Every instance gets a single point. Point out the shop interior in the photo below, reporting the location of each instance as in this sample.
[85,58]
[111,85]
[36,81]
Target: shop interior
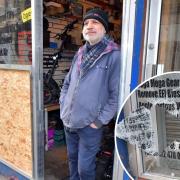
[62,25]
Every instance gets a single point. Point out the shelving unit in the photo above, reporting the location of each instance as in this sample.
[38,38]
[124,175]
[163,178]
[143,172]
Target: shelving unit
[47,109]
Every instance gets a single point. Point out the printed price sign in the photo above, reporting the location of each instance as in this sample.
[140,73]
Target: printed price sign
[163,92]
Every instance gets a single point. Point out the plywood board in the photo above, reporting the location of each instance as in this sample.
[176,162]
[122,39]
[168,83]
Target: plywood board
[15,119]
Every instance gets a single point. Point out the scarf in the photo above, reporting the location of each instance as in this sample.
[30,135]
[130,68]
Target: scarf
[91,53]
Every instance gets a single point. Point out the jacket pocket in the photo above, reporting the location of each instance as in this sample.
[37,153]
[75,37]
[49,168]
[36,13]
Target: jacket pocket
[99,109]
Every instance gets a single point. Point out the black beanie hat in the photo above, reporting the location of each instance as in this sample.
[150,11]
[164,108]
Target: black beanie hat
[99,15]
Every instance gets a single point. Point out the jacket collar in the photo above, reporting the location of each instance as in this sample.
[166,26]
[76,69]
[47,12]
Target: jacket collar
[112,46]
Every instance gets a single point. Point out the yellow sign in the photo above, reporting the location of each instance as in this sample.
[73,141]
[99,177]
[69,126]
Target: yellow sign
[26,15]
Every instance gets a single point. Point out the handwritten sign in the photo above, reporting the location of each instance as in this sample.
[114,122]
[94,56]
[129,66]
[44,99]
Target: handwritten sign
[137,129]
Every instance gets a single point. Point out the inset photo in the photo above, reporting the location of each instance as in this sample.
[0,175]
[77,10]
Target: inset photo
[147,130]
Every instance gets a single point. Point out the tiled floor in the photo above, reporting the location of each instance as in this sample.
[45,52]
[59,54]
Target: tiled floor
[56,165]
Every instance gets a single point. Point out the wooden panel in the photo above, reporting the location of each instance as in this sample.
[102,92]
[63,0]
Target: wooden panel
[15,119]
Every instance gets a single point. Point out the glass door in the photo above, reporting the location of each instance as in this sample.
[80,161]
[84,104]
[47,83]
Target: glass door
[162,49]
[162,54]
[169,42]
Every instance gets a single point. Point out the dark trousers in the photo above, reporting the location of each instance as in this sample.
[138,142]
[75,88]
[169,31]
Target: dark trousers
[82,147]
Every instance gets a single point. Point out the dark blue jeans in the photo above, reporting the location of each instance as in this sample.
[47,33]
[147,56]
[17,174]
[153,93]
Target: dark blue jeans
[82,147]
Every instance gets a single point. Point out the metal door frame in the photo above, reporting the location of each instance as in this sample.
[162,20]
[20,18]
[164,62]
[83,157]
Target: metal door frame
[37,89]
[150,66]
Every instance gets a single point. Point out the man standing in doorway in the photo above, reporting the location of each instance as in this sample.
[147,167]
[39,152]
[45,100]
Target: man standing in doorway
[89,96]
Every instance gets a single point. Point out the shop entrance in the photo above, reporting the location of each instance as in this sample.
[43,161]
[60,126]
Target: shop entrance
[58,16]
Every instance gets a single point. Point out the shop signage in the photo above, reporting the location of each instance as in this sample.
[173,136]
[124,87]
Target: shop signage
[140,127]
[26,15]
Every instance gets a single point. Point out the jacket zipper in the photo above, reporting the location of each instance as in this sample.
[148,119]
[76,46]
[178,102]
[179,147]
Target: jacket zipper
[75,90]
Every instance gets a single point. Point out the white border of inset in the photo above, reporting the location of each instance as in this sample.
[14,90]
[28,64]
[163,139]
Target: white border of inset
[121,107]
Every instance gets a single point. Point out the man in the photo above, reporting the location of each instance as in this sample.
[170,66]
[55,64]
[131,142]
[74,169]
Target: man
[89,96]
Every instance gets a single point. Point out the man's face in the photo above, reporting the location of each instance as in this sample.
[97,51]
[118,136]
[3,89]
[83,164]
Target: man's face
[93,31]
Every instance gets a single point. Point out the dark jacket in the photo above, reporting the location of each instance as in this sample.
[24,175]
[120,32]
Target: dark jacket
[93,96]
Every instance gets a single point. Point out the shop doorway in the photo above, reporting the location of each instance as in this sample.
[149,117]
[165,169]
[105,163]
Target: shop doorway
[56,63]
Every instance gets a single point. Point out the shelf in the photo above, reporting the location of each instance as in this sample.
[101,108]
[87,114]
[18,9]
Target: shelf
[51,107]
[102,4]
[48,108]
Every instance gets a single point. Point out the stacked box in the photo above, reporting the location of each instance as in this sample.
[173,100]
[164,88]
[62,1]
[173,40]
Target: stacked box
[50,138]
[59,137]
